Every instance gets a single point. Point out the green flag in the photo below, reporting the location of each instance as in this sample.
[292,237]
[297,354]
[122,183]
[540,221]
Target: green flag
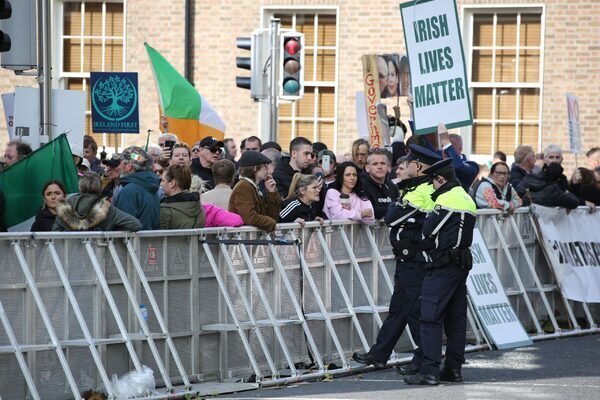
[22,183]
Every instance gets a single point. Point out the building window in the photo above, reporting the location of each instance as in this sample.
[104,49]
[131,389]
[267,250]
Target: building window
[315,115]
[506,79]
[93,37]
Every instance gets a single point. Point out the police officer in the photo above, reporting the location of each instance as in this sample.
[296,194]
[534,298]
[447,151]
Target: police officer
[448,233]
[405,218]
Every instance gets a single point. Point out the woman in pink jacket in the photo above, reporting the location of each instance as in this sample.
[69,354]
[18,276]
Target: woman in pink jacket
[345,198]
[215,216]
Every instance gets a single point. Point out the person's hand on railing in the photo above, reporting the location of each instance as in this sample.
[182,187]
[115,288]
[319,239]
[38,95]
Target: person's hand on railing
[300,221]
[591,205]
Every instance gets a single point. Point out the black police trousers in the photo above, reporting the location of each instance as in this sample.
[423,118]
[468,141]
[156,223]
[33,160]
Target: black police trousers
[443,303]
[404,309]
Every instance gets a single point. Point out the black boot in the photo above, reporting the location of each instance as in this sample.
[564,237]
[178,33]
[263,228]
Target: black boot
[448,374]
[407,369]
[422,379]
[368,359]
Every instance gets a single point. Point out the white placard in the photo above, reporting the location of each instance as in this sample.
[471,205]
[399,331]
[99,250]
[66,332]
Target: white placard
[8,103]
[572,243]
[361,116]
[490,301]
[437,65]
[573,121]
[68,114]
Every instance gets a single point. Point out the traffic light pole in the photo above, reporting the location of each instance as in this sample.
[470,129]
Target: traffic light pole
[45,70]
[273,106]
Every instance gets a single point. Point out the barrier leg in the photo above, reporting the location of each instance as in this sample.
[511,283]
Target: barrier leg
[297,308]
[248,309]
[142,320]
[322,308]
[518,277]
[538,284]
[47,323]
[80,319]
[271,316]
[113,307]
[476,324]
[343,291]
[386,276]
[18,353]
[236,321]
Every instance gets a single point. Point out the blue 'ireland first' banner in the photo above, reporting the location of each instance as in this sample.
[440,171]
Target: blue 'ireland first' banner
[115,106]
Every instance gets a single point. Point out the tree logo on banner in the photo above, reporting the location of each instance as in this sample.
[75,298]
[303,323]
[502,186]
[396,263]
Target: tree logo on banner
[114,98]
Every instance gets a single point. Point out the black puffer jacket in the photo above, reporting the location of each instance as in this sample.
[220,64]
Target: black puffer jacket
[544,189]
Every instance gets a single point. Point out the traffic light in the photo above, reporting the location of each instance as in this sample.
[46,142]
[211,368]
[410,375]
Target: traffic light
[18,34]
[5,13]
[291,75]
[258,45]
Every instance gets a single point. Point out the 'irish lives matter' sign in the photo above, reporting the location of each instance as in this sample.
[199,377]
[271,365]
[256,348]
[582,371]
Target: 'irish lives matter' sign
[115,106]
[489,299]
[437,65]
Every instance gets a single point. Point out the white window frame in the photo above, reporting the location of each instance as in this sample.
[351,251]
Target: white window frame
[266,13]
[59,48]
[468,12]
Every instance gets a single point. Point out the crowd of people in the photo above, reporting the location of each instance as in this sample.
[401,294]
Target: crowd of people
[173,186]
[427,196]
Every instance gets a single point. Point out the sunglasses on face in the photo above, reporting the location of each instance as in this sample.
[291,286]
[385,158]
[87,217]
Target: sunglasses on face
[213,149]
[195,150]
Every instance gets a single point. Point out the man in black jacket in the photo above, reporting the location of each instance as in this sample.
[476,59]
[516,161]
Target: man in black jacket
[380,192]
[524,162]
[211,151]
[301,155]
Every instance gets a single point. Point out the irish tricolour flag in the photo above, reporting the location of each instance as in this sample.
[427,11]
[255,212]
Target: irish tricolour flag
[183,110]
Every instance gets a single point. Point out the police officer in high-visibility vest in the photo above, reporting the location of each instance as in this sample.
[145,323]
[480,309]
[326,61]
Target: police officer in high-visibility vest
[447,233]
[405,218]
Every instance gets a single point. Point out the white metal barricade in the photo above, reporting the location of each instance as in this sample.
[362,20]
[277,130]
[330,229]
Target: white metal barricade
[216,310]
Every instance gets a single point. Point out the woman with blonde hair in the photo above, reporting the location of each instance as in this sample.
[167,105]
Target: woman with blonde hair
[302,197]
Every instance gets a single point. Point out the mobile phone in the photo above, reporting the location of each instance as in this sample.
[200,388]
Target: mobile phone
[326,162]
[169,144]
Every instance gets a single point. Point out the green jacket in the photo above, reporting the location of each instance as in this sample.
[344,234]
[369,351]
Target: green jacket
[182,211]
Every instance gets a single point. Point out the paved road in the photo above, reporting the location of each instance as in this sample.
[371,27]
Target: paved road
[553,369]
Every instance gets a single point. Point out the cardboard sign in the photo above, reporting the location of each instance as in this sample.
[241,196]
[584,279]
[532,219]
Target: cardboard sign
[372,100]
[489,299]
[574,127]
[437,65]
[115,107]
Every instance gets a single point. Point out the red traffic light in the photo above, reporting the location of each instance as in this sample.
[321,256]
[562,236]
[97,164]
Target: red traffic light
[292,46]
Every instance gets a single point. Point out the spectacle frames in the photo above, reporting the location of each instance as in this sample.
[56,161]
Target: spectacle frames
[499,173]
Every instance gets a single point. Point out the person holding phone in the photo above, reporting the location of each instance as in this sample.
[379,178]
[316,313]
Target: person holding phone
[345,198]
[246,199]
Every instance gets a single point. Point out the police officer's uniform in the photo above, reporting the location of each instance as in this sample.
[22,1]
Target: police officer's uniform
[405,218]
[448,233]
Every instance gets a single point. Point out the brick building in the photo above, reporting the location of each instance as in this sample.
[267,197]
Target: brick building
[522,58]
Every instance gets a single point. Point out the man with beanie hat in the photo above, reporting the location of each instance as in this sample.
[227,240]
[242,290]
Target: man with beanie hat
[139,188]
[261,211]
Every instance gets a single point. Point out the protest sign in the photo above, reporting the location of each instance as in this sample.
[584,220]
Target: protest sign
[571,242]
[115,107]
[437,65]
[574,127]
[490,302]
[372,100]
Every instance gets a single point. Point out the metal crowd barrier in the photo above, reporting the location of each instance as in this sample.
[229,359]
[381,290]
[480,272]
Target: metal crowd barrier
[217,310]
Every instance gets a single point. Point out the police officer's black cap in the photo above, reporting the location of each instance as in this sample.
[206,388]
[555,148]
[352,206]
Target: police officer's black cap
[439,167]
[253,158]
[423,155]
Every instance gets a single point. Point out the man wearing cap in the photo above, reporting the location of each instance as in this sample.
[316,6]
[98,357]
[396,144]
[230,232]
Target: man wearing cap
[211,151]
[138,195]
[405,217]
[448,234]
[112,173]
[256,209]
[378,189]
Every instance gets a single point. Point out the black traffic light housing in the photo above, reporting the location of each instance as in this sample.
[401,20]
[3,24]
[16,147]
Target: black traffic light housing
[291,75]
[5,13]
